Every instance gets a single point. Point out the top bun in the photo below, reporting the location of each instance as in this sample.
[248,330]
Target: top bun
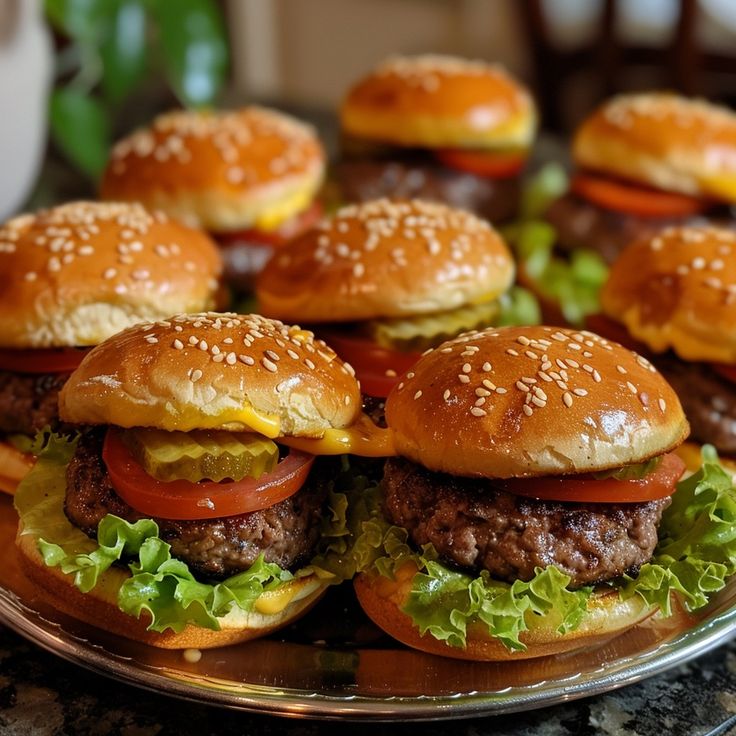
[529,401]
[221,171]
[677,290]
[386,259]
[213,371]
[440,101]
[76,274]
[664,141]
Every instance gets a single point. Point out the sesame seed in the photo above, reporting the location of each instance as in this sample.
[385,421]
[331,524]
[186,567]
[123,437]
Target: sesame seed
[400,386]
[522,386]
[522,340]
[531,354]
[580,392]
[631,387]
[246,359]
[463,378]
[203,345]
[662,404]
[196,375]
[487,368]
[178,344]
[269,365]
[567,399]
[501,390]
[230,359]
[489,384]
[482,392]
[513,352]
[541,403]
[218,357]
[467,368]
[417,395]
[390,373]
[480,401]
[544,376]
[621,369]
[527,410]
[476,411]
[31,276]
[446,395]
[309,364]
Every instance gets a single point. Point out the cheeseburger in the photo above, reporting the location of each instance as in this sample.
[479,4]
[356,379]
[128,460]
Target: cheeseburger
[249,177]
[674,295]
[535,466]
[645,161]
[71,277]
[439,128]
[384,280]
[190,478]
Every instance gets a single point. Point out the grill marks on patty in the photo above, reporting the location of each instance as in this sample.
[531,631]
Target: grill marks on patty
[285,533]
[473,525]
[29,401]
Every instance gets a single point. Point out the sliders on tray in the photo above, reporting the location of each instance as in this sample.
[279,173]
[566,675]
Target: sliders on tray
[384,280]
[71,277]
[674,295]
[521,518]
[248,176]
[644,161]
[185,473]
[439,128]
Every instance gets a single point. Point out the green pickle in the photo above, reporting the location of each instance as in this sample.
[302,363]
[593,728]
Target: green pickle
[417,334]
[202,454]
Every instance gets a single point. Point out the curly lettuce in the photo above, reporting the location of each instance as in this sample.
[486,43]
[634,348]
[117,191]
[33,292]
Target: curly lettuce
[695,555]
[159,584]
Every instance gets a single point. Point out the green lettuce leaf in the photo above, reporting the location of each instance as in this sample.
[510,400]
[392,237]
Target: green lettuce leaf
[695,555]
[159,584]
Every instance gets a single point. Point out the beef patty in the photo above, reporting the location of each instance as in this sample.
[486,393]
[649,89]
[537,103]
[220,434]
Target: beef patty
[474,525]
[28,401]
[285,533]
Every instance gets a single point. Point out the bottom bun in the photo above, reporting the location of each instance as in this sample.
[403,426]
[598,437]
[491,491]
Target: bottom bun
[99,606]
[382,599]
[14,465]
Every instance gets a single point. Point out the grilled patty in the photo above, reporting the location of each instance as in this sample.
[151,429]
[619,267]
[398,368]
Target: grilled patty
[473,525]
[285,533]
[28,401]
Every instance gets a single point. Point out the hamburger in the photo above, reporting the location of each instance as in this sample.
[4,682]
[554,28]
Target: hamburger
[72,276]
[439,128]
[249,177]
[188,510]
[671,295]
[521,517]
[643,162]
[385,280]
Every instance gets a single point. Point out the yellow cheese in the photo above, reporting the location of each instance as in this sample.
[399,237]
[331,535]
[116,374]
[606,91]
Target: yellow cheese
[275,215]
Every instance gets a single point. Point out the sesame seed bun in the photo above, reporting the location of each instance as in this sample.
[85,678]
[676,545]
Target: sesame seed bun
[382,599]
[662,140]
[440,101]
[213,371]
[99,606]
[386,259]
[74,275]
[223,171]
[532,401]
[677,290]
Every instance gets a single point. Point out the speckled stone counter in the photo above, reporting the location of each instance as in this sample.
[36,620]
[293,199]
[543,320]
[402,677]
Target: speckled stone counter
[42,695]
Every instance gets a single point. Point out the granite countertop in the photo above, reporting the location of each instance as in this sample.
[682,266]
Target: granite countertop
[42,695]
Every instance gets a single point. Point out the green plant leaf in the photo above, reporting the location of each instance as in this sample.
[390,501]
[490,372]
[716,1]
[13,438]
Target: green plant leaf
[194,45]
[124,53]
[83,20]
[80,127]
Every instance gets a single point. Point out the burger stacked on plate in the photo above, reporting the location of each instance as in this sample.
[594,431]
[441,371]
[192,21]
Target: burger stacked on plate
[439,128]
[185,475]
[674,294]
[521,518]
[645,161]
[249,177]
[71,277]
[385,280]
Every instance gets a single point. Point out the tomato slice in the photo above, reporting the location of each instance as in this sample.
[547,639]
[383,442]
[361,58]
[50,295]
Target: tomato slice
[634,200]
[41,360]
[274,238]
[182,499]
[725,370]
[494,165]
[377,368]
[585,489]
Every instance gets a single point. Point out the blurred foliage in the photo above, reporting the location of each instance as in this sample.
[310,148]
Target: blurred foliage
[114,46]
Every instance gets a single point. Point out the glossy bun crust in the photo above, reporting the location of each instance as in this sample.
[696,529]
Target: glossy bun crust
[386,259]
[213,371]
[75,274]
[532,401]
[440,101]
[382,600]
[664,141]
[223,171]
[677,290]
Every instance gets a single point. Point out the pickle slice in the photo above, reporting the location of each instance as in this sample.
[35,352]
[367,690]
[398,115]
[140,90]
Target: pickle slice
[417,334]
[202,454]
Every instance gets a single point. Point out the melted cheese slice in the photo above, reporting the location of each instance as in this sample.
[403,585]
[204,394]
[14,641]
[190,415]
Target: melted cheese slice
[363,438]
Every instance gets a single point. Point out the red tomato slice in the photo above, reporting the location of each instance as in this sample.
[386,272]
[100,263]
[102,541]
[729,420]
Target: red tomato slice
[274,238]
[725,370]
[494,165]
[182,499]
[377,368]
[41,360]
[634,200]
[586,489]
